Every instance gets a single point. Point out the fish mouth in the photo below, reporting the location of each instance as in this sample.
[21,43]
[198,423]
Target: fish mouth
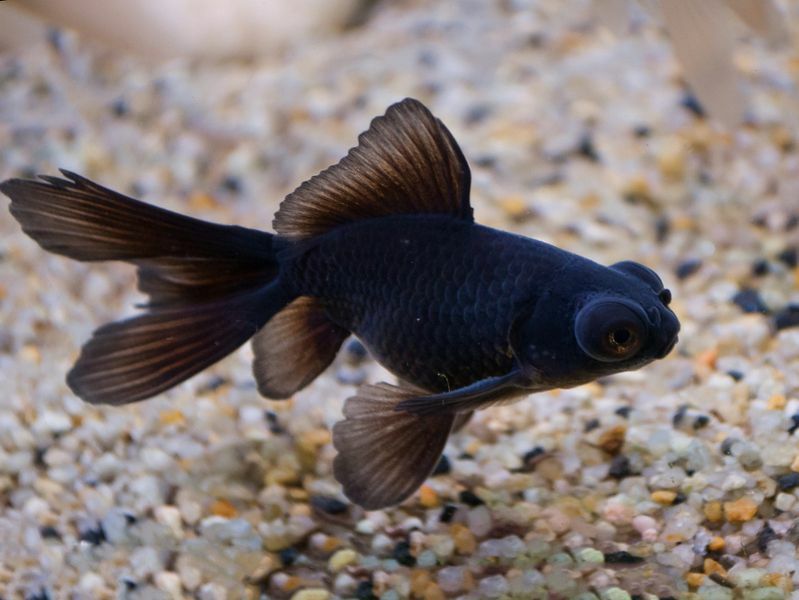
[669,346]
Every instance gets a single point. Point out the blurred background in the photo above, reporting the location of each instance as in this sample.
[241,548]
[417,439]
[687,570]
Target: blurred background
[660,131]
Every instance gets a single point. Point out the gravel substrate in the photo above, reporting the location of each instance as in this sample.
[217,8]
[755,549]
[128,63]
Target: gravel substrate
[679,479]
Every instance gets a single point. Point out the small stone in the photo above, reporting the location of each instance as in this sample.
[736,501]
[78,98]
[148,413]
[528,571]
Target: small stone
[365,591]
[766,593]
[784,502]
[223,508]
[331,506]
[447,513]
[694,579]
[687,268]
[443,467]
[622,557]
[612,440]
[479,520]
[789,257]
[402,554]
[788,481]
[169,582]
[711,567]
[428,497]
[311,594]
[741,510]
[465,542]
[615,593]
[764,536]
[493,587]
[469,498]
[664,497]
[713,511]
[749,301]
[786,317]
[619,467]
[591,555]
[795,464]
[426,559]
[170,517]
[341,559]
[716,544]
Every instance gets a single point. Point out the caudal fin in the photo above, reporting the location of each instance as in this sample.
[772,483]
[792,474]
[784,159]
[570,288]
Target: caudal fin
[211,286]
[385,454]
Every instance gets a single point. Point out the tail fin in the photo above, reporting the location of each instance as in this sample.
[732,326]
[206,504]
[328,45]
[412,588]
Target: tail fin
[211,286]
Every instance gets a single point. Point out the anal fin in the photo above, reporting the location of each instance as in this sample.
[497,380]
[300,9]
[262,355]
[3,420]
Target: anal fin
[384,454]
[294,347]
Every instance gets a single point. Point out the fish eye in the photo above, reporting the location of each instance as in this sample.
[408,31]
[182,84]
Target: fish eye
[641,272]
[610,330]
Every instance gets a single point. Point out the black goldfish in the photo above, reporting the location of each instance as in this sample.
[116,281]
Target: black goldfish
[382,245]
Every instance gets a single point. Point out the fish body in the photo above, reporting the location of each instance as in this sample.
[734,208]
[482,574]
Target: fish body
[382,245]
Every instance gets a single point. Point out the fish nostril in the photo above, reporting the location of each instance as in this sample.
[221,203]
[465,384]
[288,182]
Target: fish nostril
[654,316]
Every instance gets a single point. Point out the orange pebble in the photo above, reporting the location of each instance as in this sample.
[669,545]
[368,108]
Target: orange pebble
[223,508]
[428,497]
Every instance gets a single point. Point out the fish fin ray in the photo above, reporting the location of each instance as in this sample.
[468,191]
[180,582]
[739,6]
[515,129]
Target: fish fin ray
[384,454]
[294,347]
[407,162]
[137,358]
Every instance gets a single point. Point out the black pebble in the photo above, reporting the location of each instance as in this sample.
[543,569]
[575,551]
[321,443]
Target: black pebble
[662,229]
[690,102]
[792,222]
[365,591]
[735,375]
[749,301]
[232,184]
[642,131]
[95,536]
[764,536]
[130,518]
[760,267]
[402,554]
[622,557]
[42,594]
[288,556]
[443,467]
[701,421]
[624,411]
[591,424]
[787,317]
[687,268]
[619,467]
[531,455]
[120,108]
[789,257]
[50,532]
[586,148]
[477,114]
[788,482]
[38,457]
[469,498]
[274,425]
[447,513]
[795,424]
[331,506]
[355,351]
[679,415]
[129,584]
[726,446]
[680,497]
[214,383]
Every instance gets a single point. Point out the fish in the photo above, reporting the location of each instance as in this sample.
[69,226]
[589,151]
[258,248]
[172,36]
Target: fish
[383,246]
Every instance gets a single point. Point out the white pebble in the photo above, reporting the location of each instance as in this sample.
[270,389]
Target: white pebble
[91,583]
[145,561]
[156,459]
[170,517]
[169,582]
[50,421]
[479,520]
[212,591]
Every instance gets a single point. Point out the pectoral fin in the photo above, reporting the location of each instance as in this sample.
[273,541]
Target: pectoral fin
[477,395]
[384,454]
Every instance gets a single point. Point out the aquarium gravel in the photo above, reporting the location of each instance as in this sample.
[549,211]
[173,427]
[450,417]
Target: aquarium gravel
[679,479]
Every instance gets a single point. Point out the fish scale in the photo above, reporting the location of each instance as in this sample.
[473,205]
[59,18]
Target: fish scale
[449,327]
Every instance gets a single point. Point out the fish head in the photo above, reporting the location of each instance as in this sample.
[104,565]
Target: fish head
[619,320]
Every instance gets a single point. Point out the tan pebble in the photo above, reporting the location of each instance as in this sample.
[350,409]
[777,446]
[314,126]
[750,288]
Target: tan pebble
[300,510]
[282,476]
[694,579]
[796,277]
[420,579]
[223,508]
[795,464]
[202,201]
[514,207]
[710,566]
[290,583]
[713,511]
[638,189]
[716,544]
[777,580]
[342,558]
[741,510]
[671,159]
[707,358]
[428,497]
[311,594]
[330,544]
[465,542]
[663,497]
[268,564]
[433,592]
[172,417]
[612,440]
[297,494]
[169,582]
[30,353]
[776,402]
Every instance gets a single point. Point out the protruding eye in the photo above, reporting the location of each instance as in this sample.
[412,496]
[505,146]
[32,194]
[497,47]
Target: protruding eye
[610,330]
[639,271]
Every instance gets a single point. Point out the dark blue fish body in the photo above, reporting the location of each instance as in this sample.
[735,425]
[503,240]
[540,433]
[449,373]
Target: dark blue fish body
[383,246]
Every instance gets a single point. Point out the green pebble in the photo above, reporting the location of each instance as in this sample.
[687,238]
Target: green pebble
[426,559]
[615,593]
[560,559]
[713,591]
[766,593]
[591,555]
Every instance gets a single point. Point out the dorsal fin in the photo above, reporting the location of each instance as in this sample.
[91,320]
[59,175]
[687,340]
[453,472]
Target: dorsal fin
[407,162]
